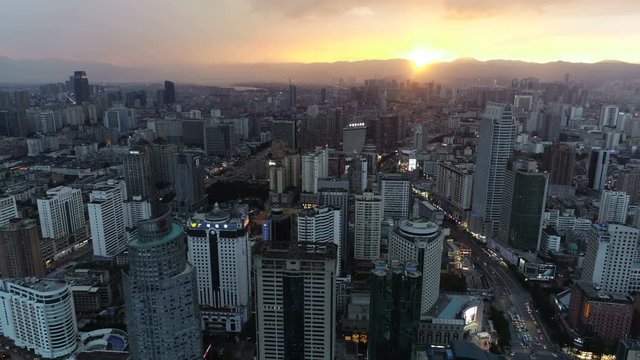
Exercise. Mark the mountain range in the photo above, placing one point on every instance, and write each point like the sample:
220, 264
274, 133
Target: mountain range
32, 71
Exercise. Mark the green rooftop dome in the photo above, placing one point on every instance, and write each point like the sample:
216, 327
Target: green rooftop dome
572, 247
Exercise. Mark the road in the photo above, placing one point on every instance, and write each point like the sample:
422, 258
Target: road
510, 297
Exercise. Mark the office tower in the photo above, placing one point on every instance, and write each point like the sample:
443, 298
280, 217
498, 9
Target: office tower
188, 180
560, 161
394, 311
497, 135
61, 212
295, 302
454, 183
613, 207
369, 151
218, 247
523, 202
594, 312
80, 87
278, 227
388, 132
368, 222
106, 218
161, 294
322, 225
335, 192
20, 254
597, 169
284, 131
220, 140
137, 172
8, 209
395, 190
120, 118
609, 116
39, 316
353, 137
169, 92
420, 241
314, 166
611, 250
630, 184
358, 168
292, 96
162, 170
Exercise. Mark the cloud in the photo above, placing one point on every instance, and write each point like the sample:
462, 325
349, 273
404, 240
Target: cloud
465, 9
360, 11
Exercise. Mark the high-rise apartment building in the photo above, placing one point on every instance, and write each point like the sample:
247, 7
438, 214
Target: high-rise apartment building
293, 96
106, 218
395, 190
161, 294
369, 151
137, 172
454, 183
20, 254
630, 184
611, 251
420, 241
220, 140
80, 87
497, 136
162, 170
188, 180
335, 192
135, 210
120, 118
38, 315
353, 138
8, 209
368, 222
295, 301
609, 116
598, 169
284, 131
394, 311
322, 225
560, 161
523, 203
61, 212
314, 166
218, 247
613, 207
169, 92
358, 175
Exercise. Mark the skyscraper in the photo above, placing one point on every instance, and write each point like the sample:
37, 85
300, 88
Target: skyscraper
218, 247
523, 205
454, 183
322, 225
8, 209
368, 219
220, 139
20, 254
162, 171
295, 302
559, 160
188, 180
613, 207
106, 218
169, 92
161, 294
420, 241
394, 311
358, 175
284, 131
314, 166
61, 212
630, 184
353, 138
80, 87
609, 116
597, 169
395, 190
335, 192
292, 96
497, 135
137, 172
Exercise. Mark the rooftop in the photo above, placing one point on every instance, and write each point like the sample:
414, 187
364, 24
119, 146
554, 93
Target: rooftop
593, 292
39, 285
296, 250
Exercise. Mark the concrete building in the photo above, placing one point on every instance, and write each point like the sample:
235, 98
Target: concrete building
497, 135
220, 140
137, 172
161, 293
598, 169
353, 138
334, 192
560, 161
8, 209
454, 183
322, 225
20, 254
368, 219
162, 170
395, 190
295, 305
284, 131
613, 207
314, 166
106, 218
218, 247
188, 181
628, 349
630, 184
39, 316
61, 212
550, 241
421, 242
609, 116
358, 175
135, 210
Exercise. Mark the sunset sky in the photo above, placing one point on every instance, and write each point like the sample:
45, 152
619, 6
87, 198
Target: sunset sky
164, 32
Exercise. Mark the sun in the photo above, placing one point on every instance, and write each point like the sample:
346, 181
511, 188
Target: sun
423, 56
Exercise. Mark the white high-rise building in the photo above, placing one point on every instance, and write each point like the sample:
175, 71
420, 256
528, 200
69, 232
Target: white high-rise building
421, 242
314, 166
611, 251
61, 212
218, 247
613, 207
8, 209
395, 190
135, 210
609, 115
38, 315
455, 184
295, 300
497, 136
106, 218
322, 225
368, 223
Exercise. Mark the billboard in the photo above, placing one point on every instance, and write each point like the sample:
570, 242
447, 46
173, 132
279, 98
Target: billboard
536, 271
470, 314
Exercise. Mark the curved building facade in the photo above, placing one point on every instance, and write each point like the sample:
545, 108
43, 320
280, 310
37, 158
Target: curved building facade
420, 241
39, 316
161, 295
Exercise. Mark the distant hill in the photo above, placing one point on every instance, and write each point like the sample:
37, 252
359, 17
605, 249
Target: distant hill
54, 70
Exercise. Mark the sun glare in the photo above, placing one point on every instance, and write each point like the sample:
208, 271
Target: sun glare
421, 57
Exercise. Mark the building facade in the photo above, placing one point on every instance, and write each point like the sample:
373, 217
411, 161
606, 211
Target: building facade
322, 225
614, 206
61, 212
106, 218
395, 190
20, 254
368, 226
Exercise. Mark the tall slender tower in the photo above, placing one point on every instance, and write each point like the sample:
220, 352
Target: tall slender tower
161, 296
497, 135
368, 220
